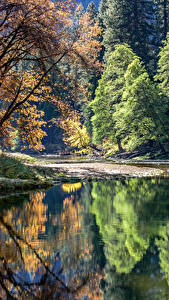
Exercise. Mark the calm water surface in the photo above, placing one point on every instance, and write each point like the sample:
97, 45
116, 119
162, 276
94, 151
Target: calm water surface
98, 240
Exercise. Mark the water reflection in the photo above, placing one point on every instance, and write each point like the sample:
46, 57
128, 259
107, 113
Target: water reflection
100, 240
45, 252
133, 217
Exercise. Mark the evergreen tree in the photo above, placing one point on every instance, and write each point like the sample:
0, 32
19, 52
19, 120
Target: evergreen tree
92, 10
92, 77
103, 5
87, 2
131, 22
161, 12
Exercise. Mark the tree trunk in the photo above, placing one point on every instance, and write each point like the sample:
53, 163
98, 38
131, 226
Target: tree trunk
165, 18
162, 148
119, 145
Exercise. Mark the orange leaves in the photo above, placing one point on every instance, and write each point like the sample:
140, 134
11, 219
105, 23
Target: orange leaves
87, 43
39, 40
72, 220
29, 126
71, 216
28, 223
29, 121
32, 35
8, 132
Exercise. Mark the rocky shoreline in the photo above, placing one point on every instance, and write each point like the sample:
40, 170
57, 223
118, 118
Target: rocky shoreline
89, 170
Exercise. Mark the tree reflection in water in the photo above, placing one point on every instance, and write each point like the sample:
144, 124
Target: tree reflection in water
37, 265
133, 218
69, 241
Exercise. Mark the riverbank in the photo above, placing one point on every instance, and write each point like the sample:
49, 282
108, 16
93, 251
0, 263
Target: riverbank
86, 169
23, 172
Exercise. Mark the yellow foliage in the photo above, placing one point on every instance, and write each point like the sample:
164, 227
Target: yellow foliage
71, 187
76, 134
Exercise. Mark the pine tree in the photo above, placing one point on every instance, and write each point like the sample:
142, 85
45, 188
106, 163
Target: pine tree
92, 10
162, 12
162, 79
92, 77
131, 22
103, 5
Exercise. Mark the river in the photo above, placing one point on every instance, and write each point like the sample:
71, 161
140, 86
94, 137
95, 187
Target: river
104, 239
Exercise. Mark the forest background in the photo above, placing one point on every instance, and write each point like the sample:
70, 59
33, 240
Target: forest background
81, 76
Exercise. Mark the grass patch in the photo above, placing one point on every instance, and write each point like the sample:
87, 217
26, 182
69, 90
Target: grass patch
16, 174
22, 157
12, 167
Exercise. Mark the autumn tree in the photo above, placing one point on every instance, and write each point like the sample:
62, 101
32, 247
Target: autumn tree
75, 132
78, 89
35, 37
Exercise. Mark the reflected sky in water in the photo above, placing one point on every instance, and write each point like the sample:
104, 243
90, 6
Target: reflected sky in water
98, 240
